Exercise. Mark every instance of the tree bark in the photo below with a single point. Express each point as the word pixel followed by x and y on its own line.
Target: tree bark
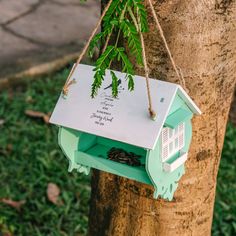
pixel 201 35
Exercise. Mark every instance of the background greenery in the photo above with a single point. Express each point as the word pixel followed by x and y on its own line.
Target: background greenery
pixel 30 159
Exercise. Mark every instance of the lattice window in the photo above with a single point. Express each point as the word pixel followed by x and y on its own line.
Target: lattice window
pixel 172 141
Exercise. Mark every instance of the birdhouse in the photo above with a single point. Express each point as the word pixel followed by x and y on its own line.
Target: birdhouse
pixel 116 135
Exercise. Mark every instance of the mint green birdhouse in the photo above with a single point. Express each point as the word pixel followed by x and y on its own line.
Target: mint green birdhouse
pixel 90 128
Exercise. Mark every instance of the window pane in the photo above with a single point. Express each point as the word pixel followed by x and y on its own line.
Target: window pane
pixel 171 148
pixel 181 141
pixel 176 143
pixel 176 130
pixel 170 133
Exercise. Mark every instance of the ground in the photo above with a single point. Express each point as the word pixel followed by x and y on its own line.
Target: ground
pixel 30 159
pixel 38 31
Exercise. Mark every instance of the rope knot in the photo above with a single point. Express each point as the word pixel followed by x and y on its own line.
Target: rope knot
pixel 65 89
pixel 152 114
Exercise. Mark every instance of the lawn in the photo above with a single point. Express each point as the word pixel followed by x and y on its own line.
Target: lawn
pixel 30 159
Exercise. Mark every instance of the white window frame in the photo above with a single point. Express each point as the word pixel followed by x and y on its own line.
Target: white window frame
pixel 169 138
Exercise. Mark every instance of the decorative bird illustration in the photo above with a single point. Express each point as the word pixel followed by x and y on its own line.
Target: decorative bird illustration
pixel 110 86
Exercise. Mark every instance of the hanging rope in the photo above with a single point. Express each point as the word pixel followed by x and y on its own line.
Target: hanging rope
pixel 146 69
pixel 152 113
pixel 177 69
pixel 68 83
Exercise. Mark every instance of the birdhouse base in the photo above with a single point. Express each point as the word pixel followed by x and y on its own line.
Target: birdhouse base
pixel 93 151
pixel 96 157
pixel 85 151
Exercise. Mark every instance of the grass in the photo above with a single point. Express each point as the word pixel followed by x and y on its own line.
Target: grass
pixel 30 159
pixel 225 207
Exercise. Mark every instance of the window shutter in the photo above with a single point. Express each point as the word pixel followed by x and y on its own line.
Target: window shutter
pixel 165 152
pixel 171 147
pixel 181 141
pixel 165 146
pixel 172 141
pixel 164 135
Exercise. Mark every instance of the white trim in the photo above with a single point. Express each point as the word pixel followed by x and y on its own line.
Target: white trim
pixel 190 103
pixel 170 167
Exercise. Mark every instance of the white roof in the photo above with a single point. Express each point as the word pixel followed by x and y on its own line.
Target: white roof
pixel 123 119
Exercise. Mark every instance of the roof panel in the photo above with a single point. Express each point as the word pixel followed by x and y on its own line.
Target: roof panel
pixel 124 118
pixel 174 119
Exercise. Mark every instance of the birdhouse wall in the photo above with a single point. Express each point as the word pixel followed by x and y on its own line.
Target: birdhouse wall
pixel 86 141
pixel 177 104
pixel 68 140
pixel 165 183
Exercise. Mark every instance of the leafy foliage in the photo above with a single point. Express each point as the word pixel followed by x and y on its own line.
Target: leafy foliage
pixel 142 15
pixel 101 65
pixel 127 18
pixel 104 62
pixel 97 39
pixel 132 36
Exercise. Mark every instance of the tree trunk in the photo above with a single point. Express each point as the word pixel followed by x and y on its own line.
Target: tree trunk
pixel 201 35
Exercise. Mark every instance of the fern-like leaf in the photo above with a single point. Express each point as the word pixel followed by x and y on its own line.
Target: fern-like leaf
pixel 102 64
pixel 141 14
pixel 95 43
pixel 114 84
pixel 128 17
pixel 126 63
pixel 131 34
pixel 130 82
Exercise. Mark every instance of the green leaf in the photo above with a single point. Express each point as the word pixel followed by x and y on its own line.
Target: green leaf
pixel 114 84
pixel 130 32
pixel 141 14
pixel 111 15
pixel 96 41
pixel 102 64
pixel 126 63
pixel 130 83
pixel 117 18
